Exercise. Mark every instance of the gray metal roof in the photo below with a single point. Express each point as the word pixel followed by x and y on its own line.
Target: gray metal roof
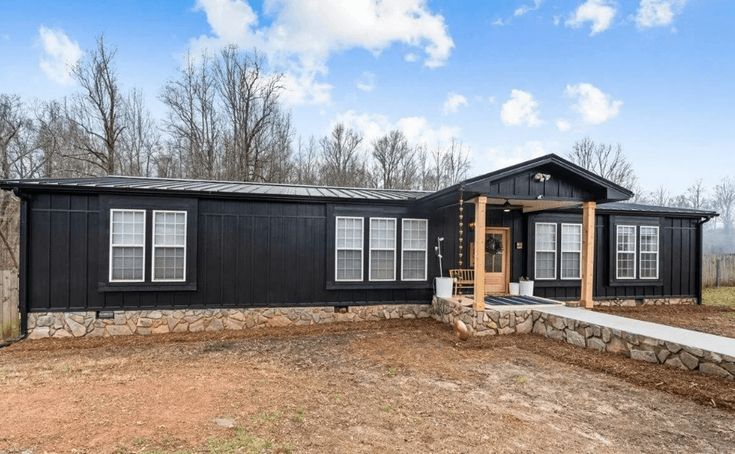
pixel 233 188
pixel 628 207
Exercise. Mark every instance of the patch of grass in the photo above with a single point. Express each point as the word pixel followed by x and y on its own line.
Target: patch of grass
pixel 722 296
pixel 520 379
pixel 299 416
pixel 388 408
pixel 392 371
pixel 268 416
pixel 240 442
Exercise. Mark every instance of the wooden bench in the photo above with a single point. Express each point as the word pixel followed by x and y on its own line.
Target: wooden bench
pixel 463 279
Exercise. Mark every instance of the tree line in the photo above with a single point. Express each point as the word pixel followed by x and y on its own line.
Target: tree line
pixel 223 119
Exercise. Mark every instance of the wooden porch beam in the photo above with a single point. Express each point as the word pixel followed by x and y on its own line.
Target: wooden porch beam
pixel 479 253
pixel 588 254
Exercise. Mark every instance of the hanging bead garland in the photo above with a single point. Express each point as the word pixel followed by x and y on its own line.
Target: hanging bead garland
pixel 461 226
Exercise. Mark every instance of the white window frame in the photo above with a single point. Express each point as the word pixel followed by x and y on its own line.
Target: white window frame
pixel 634 252
pixel 561 246
pixel 111 247
pixel 337 248
pixel 153 245
pixel 371 249
pixel 405 249
pixel 536 250
pixel 658 250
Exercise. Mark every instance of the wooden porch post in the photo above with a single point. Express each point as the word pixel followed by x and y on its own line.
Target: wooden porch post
pixel 588 253
pixel 479 253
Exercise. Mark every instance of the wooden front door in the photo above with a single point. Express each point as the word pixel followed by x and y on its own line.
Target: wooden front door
pixel 497 260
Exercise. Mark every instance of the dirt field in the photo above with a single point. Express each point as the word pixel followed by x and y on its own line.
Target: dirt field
pixel 715 316
pixel 373 387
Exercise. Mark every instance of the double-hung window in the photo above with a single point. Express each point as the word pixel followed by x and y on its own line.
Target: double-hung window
pixel 382 249
pixel 127 245
pixel 169 246
pixel 625 253
pixel 571 251
pixel 414 234
pixel 649 252
pixel 545 254
pixel 348 250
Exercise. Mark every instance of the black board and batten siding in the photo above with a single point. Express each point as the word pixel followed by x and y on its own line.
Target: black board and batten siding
pixel 248 254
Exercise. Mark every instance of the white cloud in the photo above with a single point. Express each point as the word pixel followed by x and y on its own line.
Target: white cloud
pixel 563 125
pixel 599 13
pixel 593 104
pixel 61 53
pixel 520 109
pixel 525 9
pixel 453 102
pixel 411 57
pixel 658 13
pixel 499 157
pixel 303 35
pixel 418 130
pixel 366 82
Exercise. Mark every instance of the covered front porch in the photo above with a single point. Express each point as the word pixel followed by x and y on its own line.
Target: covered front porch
pixel 532 222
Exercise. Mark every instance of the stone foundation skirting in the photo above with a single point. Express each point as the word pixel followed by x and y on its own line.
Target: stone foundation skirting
pixel 644 302
pixel 487 323
pixel 78 324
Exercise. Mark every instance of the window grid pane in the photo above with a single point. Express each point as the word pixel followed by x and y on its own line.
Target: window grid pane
pixel 571 251
pixel 127 245
pixel 169 245
pixel 348 244
pixel 626 252
pixel 382 249
pixel 649 252
pixel 414 233
pixel 545 256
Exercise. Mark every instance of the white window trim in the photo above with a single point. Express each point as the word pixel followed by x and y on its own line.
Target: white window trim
pixel 337 249
pixel 153 245
pixel 124 210
pixel 658 251
pixel 405 249
pixel 561 248
pixel 371 249
pixel 634 252
pixel 536 250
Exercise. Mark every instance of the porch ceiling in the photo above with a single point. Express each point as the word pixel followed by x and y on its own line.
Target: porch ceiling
pixel 531 205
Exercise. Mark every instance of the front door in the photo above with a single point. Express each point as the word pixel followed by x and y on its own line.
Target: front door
pixel 497 261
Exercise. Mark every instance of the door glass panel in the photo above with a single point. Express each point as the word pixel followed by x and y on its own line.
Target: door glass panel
pixel 494 253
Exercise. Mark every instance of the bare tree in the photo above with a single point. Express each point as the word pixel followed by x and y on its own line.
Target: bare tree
pixel 274 152
pixel 192 120
pixel 97 110
pixel 12 121
pixel 251 110
pixel 140 139
pixel 394 161
pixel 456 163
pixel 724 201
pixel 695 195
pixel 341 159
pixel 605 160
pixel 661 197
pixel 306 162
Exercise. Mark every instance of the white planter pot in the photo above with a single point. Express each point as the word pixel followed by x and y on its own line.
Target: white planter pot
pixel 444 287
pixel 526 288
pixel 514 288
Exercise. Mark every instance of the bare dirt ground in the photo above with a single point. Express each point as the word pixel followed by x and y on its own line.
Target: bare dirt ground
pixel 715 316
pixel 371 387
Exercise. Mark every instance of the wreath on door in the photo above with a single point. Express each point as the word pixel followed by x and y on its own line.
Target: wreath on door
pixel 493 246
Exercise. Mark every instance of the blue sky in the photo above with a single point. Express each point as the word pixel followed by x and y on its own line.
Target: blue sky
pixel 511 79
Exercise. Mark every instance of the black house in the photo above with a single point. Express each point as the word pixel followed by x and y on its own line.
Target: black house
pixel 107 245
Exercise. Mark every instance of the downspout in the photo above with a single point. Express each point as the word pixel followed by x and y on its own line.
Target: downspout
pixel 700 256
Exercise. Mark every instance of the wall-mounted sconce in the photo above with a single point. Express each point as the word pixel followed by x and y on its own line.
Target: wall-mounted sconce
pixel 506 206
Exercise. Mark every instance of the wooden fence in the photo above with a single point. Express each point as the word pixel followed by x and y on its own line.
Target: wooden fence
pixel 9 315
pixel 718 271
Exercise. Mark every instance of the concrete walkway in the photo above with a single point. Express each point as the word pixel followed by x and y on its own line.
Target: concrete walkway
pixel 684 337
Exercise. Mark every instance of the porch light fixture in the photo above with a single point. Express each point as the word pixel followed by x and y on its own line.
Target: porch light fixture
pixel 506 206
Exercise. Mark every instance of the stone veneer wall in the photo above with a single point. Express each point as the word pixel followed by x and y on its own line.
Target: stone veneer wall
pixel 582 334
pixel 78 324
pixel 645 302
